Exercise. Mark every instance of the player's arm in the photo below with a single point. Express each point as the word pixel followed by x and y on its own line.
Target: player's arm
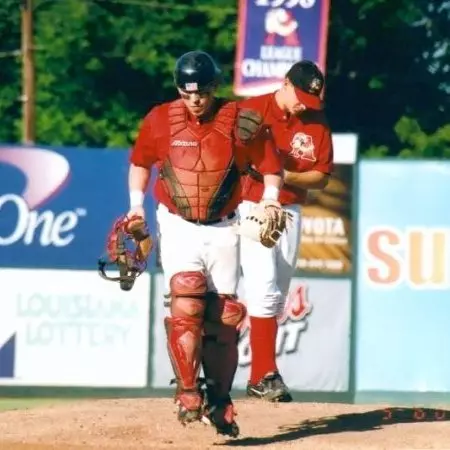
pixel 312 179
pixel 259 148
pixel 318 177
pixel 143 156
pixel 266 159
pixel 138 180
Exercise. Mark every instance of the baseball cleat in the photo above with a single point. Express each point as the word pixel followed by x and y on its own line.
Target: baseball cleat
pixel 190 406
pixel 190 403
pixel 221 416
pixel 270 388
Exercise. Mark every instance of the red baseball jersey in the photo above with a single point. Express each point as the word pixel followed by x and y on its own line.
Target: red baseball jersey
pixel 199 163
pixel 304 143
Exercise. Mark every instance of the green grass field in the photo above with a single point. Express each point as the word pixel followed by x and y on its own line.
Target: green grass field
pixel 24 403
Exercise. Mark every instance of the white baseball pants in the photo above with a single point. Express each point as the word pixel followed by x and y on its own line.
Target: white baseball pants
pixel 212 249
pixel 267 272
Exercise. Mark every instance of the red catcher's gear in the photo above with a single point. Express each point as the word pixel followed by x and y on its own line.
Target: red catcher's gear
pixel 184 328
pixel 200 174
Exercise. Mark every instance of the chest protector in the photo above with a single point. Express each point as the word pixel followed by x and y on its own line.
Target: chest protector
pixel 200 174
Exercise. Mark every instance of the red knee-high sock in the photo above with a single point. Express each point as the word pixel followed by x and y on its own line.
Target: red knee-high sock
pixel 263 336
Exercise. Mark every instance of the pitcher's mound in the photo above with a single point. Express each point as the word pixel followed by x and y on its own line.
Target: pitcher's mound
pixel 151 424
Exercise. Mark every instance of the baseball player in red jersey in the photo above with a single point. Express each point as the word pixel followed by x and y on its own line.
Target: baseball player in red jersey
pixel 195 144
pixel 303 137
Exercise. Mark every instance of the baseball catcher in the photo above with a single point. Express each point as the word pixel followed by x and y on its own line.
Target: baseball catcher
pixel 200 145
pixel 128 247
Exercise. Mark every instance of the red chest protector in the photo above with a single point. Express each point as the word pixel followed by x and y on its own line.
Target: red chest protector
pixel 199 173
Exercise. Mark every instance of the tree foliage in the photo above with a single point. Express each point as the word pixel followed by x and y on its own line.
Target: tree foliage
pixel 102 64
pixel 10 74
pixel 389 63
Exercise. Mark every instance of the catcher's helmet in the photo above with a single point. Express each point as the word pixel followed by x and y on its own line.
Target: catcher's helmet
pixel 196 71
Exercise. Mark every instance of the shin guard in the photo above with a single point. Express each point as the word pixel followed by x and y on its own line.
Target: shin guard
pixel 184 337
pixel 184 331
pixel 220 344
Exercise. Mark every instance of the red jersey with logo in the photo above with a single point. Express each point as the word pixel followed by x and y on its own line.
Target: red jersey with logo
pixel 304 143
pixel 199 163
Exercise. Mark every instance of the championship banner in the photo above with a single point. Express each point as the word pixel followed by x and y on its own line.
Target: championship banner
pixel 326 239
pixel 272 36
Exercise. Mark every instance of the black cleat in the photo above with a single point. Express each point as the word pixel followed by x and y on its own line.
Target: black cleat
pixel 270 388
pixel 222 418
pixel 221 414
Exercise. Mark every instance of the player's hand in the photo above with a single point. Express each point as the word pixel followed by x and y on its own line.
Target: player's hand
pixel 265 223
pixel 272 208
pixel 137 211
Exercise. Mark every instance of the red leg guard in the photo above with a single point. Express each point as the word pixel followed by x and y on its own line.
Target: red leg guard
pixel 220 351
pixel 184 338
pixel 184 328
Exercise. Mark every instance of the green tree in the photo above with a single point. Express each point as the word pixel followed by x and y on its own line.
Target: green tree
pixel 10 71
pixel 108 65
pixel 388 63
pixel 102 64
pixel 415 142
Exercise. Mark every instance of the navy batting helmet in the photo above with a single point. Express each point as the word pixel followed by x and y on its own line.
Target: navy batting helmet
pixel 196 71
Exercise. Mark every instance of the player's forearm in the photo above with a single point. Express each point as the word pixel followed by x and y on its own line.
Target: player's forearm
pixel 272 186
pixel 312 179
pixel 138 179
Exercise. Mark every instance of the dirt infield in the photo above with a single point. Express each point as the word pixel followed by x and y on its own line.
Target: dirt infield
pixel 151 424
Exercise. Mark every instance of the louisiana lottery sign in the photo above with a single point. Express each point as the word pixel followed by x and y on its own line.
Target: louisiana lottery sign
pixel 72 328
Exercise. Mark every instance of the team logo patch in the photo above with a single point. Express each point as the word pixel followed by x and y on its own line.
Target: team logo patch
pixel 191 87
pixel 315 86
pixel 303 147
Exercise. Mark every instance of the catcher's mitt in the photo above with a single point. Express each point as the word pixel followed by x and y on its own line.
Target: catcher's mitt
pixel 265 223
pixel 131 262
pixel 248 125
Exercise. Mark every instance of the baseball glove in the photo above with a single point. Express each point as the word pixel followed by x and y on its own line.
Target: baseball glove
pixel 248 125
pixel 265 223
pixel 128 247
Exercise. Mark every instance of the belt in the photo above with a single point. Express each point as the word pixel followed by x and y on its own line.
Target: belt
pixel 230 216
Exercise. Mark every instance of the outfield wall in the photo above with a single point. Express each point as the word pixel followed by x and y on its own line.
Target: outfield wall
pixel 365 319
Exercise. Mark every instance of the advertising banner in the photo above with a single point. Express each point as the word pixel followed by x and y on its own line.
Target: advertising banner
pixel 272 36
pixel 57 205
pixel 313 339
pixel 72 328
pixel 403 282
pixel 326 239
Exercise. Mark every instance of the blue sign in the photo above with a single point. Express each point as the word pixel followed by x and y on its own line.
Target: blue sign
pixel 57 205
pixel 272 36
pixel 403 279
